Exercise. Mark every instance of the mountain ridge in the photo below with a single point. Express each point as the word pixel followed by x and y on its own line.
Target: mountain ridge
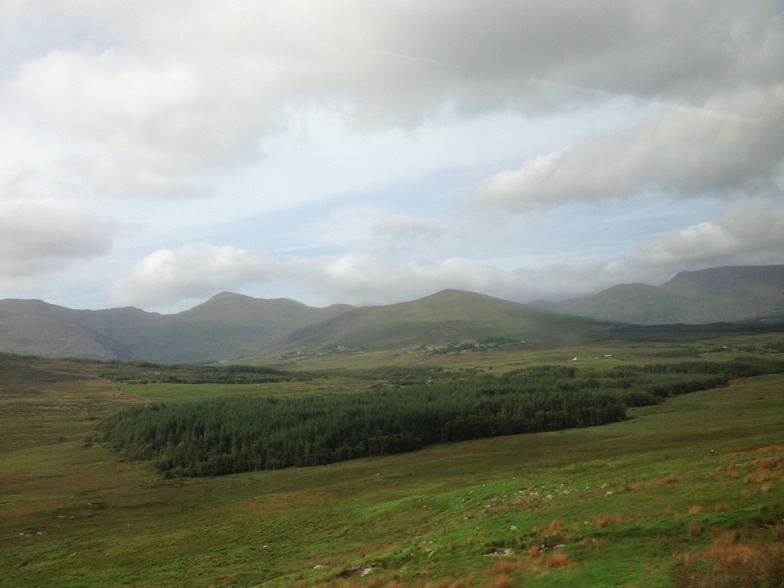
pixel 721 294
pixel 231 326
pixel 441 318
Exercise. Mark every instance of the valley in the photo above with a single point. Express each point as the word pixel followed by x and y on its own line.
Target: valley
pixel 679 491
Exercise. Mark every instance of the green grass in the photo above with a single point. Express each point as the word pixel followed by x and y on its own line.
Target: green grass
pixel 626 501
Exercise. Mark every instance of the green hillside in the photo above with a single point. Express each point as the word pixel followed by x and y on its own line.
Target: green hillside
pixel 736 293
pixel 37 328
pixel 446 317
pixel 629 303
pixel 723 294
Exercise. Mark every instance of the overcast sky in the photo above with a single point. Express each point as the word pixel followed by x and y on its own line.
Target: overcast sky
pixel 154 153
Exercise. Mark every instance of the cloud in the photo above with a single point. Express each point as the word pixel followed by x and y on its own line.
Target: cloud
pixel 751 234
pixel 745 235
pixel 367 228
pixel 403 226
pixel 730 145
pixel 380 279
pixel 192 272
pixel 47 235
pixel 142 126
pixel 167 89
pixel 349 130
pixel 198 270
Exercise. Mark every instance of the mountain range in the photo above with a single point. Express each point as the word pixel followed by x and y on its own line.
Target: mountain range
pixel 722 294
pixel 233 326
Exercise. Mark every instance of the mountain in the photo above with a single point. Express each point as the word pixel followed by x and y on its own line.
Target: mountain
pixel 34 327
pixel 227 326
pixel 232 326
pixel 446 317
pixel 722 294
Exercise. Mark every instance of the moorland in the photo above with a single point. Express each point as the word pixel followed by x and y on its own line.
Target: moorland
pixel 679 486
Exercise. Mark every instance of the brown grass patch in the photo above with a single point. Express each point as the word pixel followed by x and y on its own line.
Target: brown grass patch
pixel 507 566
pixel 557 526
pixel 778 532
pixel 596 544
pixel 729 563
pixel 533 551
pixel 501 571
pixel 764 476
pixel 558 559
pixel 761 470
pixel 665 481
pixel 767 463
pixel 760 450
pixel 694 529
pixel 696 509
pixel 599 522
pixel 501 581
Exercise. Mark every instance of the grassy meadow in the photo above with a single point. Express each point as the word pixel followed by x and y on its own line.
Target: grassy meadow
pixel 685 493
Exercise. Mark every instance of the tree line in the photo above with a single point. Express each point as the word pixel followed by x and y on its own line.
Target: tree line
pixel 239 434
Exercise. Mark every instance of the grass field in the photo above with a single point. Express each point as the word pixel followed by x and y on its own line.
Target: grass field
pixel 684 492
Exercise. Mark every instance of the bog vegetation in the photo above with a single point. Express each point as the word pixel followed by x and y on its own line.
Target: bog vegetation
pixel 682 489
pixel 239 434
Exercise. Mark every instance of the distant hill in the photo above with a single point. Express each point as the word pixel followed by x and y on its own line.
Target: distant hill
pixel 228 326
pixel 445 317
pixel 722 294
pixel 33 327
pixel 232 326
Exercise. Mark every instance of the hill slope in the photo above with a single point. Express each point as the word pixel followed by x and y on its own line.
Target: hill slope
pixel 34 327
pixel 232 326
pixel 723 294
pixel 445 317
pixel 227 326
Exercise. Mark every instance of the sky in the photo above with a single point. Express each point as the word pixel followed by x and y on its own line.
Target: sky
pixel 155 153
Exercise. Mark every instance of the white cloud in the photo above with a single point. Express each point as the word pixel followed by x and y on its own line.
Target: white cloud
pixel 381 279
pixel 192 272
pixel 196 271
pixel 732 144
pixel 141 125
pixel 745 235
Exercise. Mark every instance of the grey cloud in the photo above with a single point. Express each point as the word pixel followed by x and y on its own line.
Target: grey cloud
pixel 731 144
pixel 404 226
pixel 195 86
pixel 745 235
pixel 37 237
